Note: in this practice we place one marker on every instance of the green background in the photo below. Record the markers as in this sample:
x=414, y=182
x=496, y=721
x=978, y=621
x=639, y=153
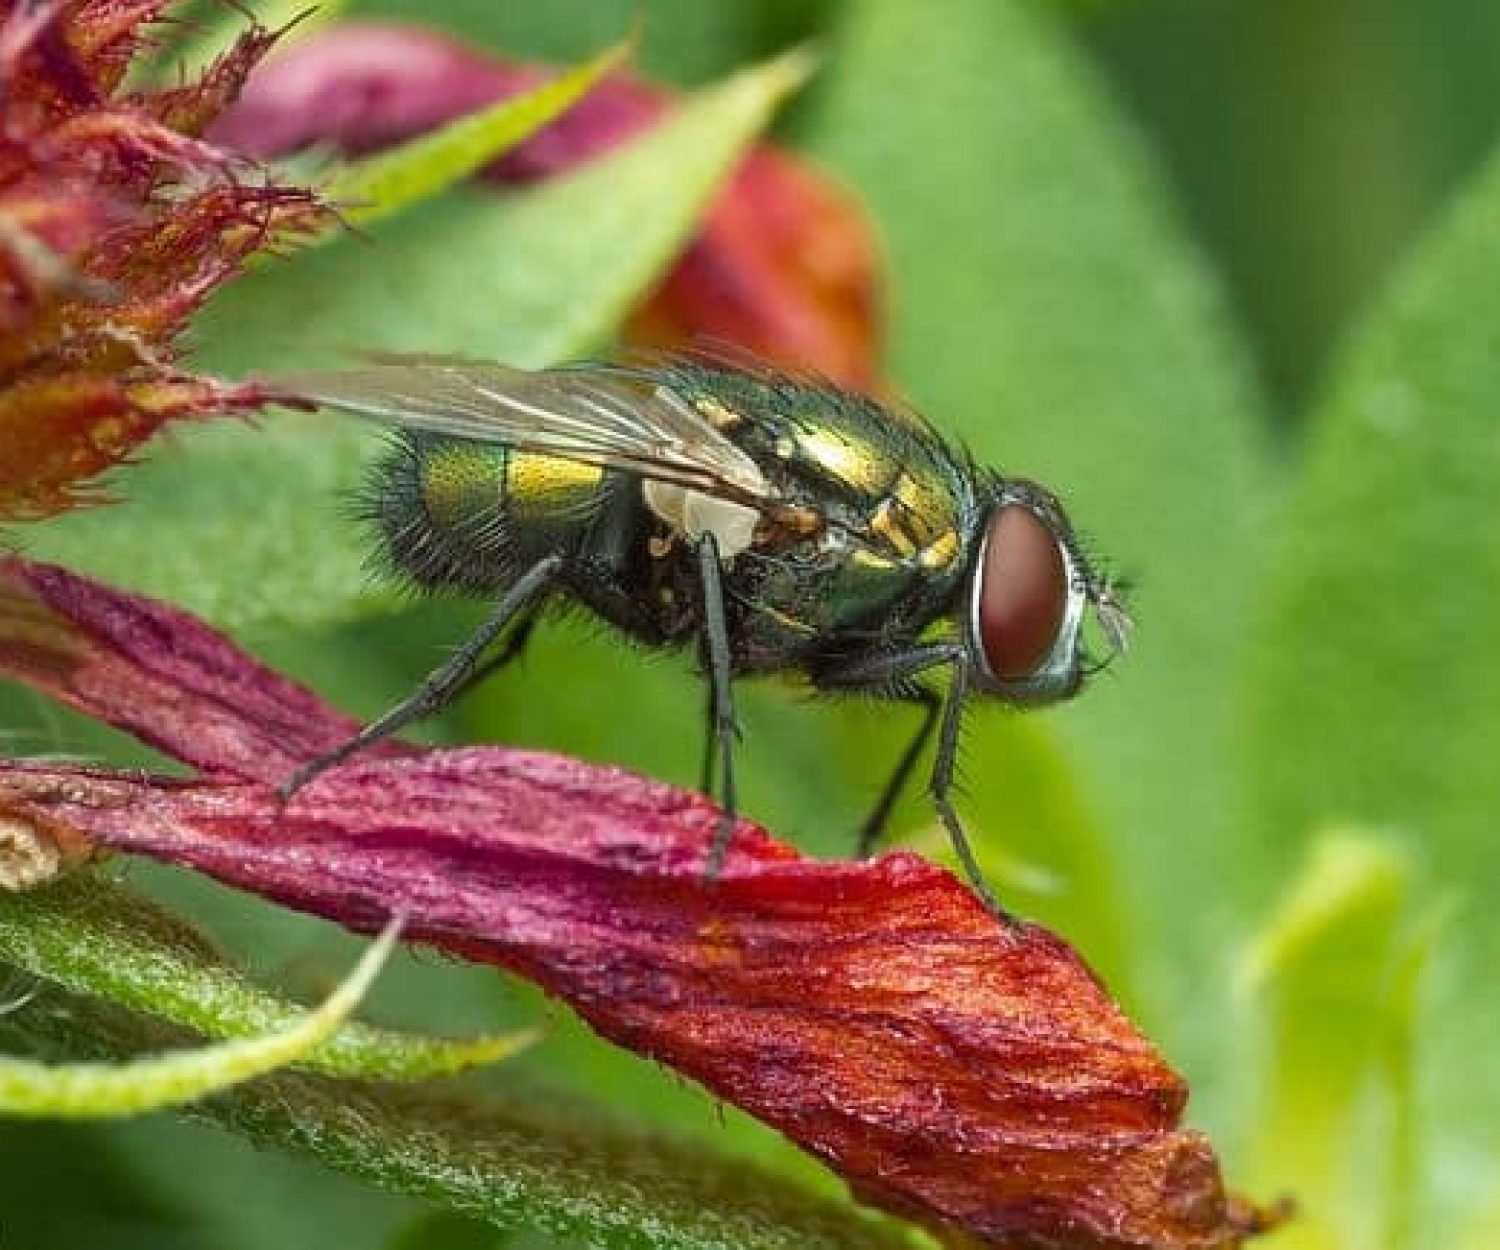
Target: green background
x=1224, y=274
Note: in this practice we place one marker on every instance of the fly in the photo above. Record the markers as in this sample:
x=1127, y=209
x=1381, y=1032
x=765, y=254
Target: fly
x=773, y=522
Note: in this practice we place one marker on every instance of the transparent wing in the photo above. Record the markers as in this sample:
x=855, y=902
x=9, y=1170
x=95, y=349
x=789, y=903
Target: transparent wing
x=607, y=415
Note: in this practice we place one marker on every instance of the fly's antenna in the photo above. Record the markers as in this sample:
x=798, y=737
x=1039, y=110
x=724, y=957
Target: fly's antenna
x=1114, y=617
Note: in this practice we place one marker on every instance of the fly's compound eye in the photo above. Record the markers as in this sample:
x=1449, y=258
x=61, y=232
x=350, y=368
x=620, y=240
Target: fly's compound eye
x=1026, y=610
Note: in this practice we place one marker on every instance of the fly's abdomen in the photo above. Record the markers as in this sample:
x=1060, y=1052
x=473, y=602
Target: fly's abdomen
x=474, y=516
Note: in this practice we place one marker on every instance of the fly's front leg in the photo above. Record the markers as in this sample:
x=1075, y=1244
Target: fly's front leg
x=942, y=786
x=444, y=683
x=872, y=830
x=892, y=673
x=723, y=727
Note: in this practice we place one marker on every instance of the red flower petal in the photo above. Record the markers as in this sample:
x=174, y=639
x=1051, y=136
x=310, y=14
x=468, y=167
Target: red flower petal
x=975, y=1078
x=62, y=430
x=784, y=265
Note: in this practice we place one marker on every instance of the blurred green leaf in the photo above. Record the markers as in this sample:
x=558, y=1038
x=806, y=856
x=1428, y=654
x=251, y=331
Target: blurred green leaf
x=1484, y=1233
x=382, y=185
x=442, y=1230
x=1068, y=330
x=1335, y=970
x=1376, y=701
x=567, y=1171
x=98, y=939
x=67, y=1185
x=682, y=41
x=241, y=523
x=94, y=1090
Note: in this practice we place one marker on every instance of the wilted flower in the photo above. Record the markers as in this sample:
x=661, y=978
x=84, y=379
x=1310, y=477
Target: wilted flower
x=784, y=264
x=116, y=222
x=967, y=1075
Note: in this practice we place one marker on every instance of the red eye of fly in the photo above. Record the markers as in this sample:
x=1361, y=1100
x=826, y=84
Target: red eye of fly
x=1023, y=593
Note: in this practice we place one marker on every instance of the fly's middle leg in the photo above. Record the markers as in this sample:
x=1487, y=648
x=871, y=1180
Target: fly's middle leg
x=723, y=727
x=941, y=788
x=708, y=769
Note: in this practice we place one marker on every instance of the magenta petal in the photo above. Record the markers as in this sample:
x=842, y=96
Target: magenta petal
x=159, y=674
x=965, y=1074
x=363, y=86
x=955, y=1071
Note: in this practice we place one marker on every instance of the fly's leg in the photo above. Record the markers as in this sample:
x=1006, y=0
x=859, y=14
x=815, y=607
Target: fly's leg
x=443, y=684
x=942, y=786
x=511, y=649
x=723, y=727
x=874, y=827
x=710, y=745
x=891, y=674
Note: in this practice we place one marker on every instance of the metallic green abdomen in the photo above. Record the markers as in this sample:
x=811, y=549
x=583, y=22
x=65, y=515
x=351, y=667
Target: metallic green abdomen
x=474, y=515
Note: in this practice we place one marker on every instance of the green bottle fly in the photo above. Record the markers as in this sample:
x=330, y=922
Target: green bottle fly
x=774, y=523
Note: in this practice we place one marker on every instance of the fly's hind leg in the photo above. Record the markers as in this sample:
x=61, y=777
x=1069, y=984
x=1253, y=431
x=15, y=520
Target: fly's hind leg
x=511, y=649
x=445, y=682
x=723, y=727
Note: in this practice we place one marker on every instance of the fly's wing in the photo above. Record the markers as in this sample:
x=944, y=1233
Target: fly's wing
x=600, y=415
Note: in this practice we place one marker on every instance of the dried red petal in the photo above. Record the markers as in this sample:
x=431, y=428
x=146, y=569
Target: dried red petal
x=116, y=223
x=784, y=266
x=160, y=674
x=192, y=108
x=970, y=1076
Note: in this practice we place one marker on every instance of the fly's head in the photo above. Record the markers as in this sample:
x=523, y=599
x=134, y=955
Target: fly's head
x=1032, y=596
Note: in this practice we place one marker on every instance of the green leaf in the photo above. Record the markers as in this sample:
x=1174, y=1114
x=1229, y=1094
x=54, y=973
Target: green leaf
x=242, y=523
x=1376, y=700
x=150, y=1083
x=70, y=1184
x=565, y=1170
x=382, y=185
x=442, y=1230
x=1069, y=331
x=1484, y=1234
x=682, y=41
x=97, y=939
x=1335, y=970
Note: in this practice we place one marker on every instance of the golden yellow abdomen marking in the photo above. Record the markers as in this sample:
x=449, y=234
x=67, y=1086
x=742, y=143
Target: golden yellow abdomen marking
x=719, y=415
x=887, y=523
x=546, y=483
